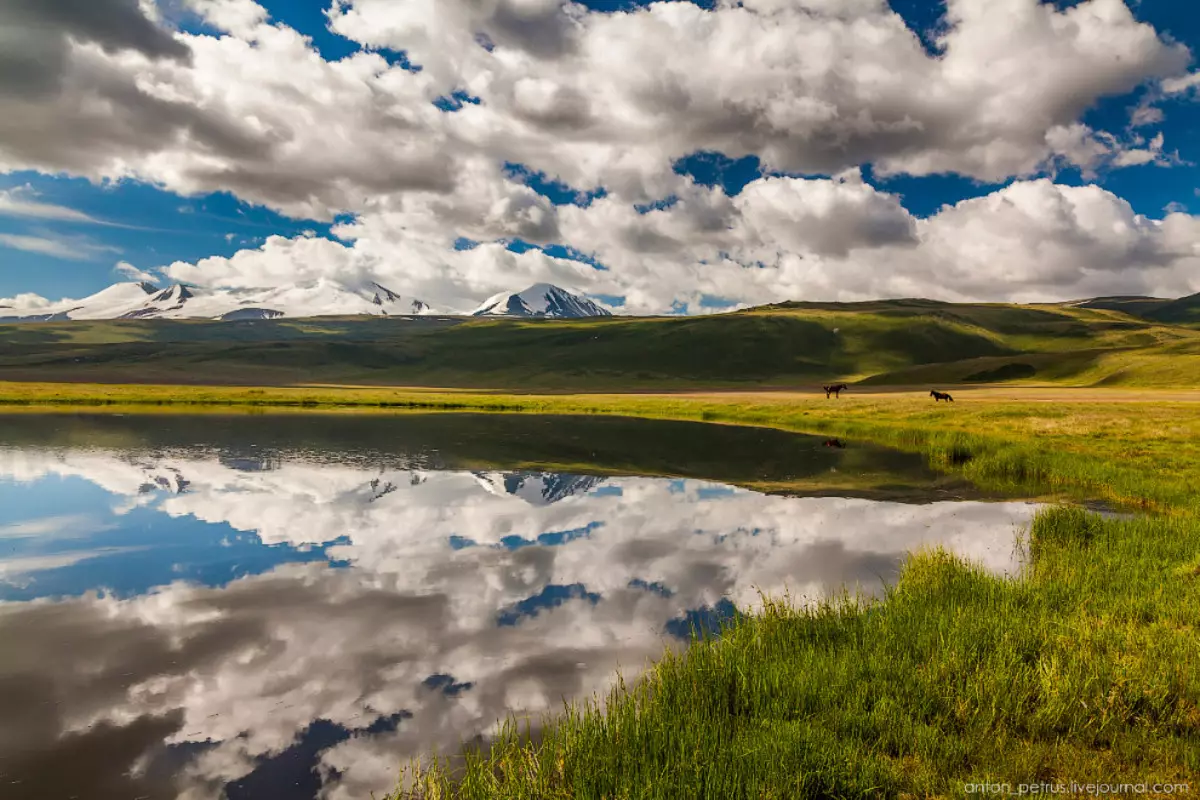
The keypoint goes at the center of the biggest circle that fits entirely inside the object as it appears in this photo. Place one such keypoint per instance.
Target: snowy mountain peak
(144, 300)
(385, 297)
(540, 300)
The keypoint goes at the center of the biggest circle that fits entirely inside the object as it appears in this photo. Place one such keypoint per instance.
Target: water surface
(290, 607)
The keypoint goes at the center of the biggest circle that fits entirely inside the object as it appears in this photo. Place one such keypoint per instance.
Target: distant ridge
(540, 300)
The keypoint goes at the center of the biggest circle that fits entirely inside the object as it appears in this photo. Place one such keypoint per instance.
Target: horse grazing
(835, 443)
(835, 390)
(937, 396)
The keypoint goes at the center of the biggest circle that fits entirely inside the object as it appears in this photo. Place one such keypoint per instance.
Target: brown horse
(938, 396)
(835, 390)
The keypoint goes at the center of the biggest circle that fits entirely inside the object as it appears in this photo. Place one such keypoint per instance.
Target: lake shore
(1084, 669)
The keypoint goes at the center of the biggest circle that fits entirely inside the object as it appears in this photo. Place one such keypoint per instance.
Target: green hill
(1184, 311)
(894, 342)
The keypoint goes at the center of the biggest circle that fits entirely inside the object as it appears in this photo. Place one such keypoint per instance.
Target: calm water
(263, 607)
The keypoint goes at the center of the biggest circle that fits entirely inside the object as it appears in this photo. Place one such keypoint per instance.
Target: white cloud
(1181, 84)
(1152, 153)
(780, 239)
(611, 100)
(130, 272)
(596, 98)
(811, 87)
(19, 202)
(72, 249)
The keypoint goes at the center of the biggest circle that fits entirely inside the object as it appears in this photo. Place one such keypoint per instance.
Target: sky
(669, 157)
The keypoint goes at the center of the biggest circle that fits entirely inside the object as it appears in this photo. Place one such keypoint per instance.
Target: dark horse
(936, 395)
(838, 443)
(835, 390)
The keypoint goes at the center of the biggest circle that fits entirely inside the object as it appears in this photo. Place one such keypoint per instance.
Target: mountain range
(324, 297)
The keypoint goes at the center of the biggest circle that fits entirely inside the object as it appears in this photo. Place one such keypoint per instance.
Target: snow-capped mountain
(146, 301)
(540, 300)
(538, 488)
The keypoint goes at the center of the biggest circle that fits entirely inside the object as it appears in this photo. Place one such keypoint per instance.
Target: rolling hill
(793, 345)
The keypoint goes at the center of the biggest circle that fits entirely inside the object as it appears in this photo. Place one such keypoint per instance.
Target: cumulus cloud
(780, 239)
(810, 87)
(37, 38)
(611, 101)
(598, 99)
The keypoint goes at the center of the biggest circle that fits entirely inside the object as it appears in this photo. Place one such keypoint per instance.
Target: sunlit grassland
(796, 345)
(1085, 668)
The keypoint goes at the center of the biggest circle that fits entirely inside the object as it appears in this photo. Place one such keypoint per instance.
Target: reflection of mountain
(538, 488)
(318, 622)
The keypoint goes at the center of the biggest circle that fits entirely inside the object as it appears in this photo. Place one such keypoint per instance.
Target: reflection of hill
(580, 448)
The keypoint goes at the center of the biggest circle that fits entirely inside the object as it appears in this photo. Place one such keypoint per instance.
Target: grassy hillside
(789, 345)
(1183, 311)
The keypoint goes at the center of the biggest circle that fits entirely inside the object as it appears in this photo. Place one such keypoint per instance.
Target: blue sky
(150, 226)
(146, 226)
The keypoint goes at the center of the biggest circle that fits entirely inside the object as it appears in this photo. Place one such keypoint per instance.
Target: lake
(292, 606)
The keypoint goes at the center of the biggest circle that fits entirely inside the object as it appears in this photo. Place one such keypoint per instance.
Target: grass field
(795, 345)
(1085, 669)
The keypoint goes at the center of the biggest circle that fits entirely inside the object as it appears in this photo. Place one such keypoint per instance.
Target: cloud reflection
(432, 604)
